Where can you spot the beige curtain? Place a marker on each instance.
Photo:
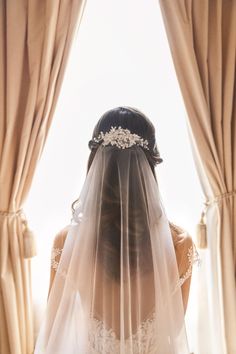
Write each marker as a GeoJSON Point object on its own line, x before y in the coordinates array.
{"type": "Point", "coordinates": [35, 41]}
{"type": "Point", "coordinates": [202, 38]}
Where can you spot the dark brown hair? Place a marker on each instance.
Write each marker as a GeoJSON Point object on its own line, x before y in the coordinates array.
{"type": "Point", "coordinates": [128, 118]}
{"type": "Point", "coordinates": [109, 232]}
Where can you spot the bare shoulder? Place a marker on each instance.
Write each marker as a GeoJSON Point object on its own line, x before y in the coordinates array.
{"type": "Point", "coordinates": [60, 237]}
{"type": "Point", "coordinates": [185, 240]}
{"type": "Point", "coordinates": [181, 238]}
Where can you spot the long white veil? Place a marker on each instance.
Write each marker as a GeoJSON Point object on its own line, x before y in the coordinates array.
{"type": "Point", "coordinates": [118, 270]}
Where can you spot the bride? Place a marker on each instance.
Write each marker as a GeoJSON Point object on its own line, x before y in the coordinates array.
{"type": "Point", "coordinates": [121, 272]}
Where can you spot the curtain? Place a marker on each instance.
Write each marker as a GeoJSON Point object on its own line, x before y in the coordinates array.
{"type": "Point", "coordinates": [35, 40]}
{"type": "Point", "coordinates": [202, 39]}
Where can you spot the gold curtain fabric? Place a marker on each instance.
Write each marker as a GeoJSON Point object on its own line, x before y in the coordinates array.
{"type": "Point", "coordinates": [202, 38]}
{"type": "Point", "coordinates": [35, 41]}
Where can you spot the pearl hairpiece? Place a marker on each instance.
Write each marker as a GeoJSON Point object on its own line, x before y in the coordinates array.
{"type": "Point", "coordinates": [121, 137]}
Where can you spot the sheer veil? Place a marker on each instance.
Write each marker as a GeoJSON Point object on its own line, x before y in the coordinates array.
{"type": "Point", "coordinates": [118, 269]}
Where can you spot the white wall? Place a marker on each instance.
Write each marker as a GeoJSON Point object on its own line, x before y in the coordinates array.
{"type": "Point", "coordinates": [120, 57]}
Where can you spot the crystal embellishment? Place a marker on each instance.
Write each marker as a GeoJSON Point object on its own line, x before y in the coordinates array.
{"type": "Point", "coordinates": [122, 138]}
{"type": "Point", "coordinates": [193, 258]}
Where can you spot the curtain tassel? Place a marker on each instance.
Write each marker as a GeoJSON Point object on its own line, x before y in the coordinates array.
{"type": "Point", "coordinates": [29, 243]}
{"type": "Point", "coordinates": [201, 226]}
{"type": "Point", "coordinates": [202, 232]}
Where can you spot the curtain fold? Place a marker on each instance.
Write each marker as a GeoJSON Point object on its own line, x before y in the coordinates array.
{"type": "Point", "coordinates": [35, 41]}
{"type": "Point", "coordinates": [202, 39]}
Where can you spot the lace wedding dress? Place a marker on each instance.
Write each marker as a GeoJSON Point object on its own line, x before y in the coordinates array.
{"type": "Point", "coordinates": [118, 262]}
{"type": "Point", "coordinates": [103, 339]}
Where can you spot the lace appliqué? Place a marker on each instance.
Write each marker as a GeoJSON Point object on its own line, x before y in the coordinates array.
{"type": "Point", "coordinates": [193, 258]}
{"type": "Point", "coordinates": [55, 252]}
{"type": "Point", "coordinates": [54, 263]}
{"type": "Point", "coordinates": [103, 340]}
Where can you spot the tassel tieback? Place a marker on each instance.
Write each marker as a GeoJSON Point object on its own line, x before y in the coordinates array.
{"type": "Point", "coordinates": [29, 243]}
{"type": "Point", "coordinates": [201, 226]}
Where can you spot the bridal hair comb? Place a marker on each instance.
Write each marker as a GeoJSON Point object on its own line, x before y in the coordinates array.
{"type": "Point", "coordinates": [121, 137]}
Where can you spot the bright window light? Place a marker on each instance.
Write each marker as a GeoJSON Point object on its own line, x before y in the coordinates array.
{"type": "Point", "coordinates": [120, 56]}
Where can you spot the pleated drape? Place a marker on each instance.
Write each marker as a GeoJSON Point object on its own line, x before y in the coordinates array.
{"type": "Point", "coordinates": [35, 40]}
{"type": "Point", "coordinates": [202, 38]}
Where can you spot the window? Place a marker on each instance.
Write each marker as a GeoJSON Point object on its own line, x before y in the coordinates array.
{"type": "Point", "coordinates": [120, 56]}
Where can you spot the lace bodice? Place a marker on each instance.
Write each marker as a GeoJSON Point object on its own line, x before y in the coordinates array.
{"type": "Point", "coordinates": [144, 340]}
{"type": "Point", "coordinates": [103, 340]}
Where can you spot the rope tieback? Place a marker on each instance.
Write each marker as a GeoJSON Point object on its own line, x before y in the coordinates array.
{"type": "Point", "coordinates": [201, 226]}
{"type": "Point", "coordinates": [29, 244]}
{"type": "Point", "coordinates": [10, 213]}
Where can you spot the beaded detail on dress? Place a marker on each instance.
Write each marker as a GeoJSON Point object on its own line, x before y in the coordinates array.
{"type": "Point", "coordinates": [103, 340]}
{"type": "Point", "coordinates": [193, 257]}
{"type": "Point", "coordinates": [145, 339]}
{"type": "Point", "coordinates": [55, 252]}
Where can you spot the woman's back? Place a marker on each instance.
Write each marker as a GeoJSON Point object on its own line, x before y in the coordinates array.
{"type": "Point", "coordinates": [118, 270]}
{"type": "Point", "coordinates": [106, 334]}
